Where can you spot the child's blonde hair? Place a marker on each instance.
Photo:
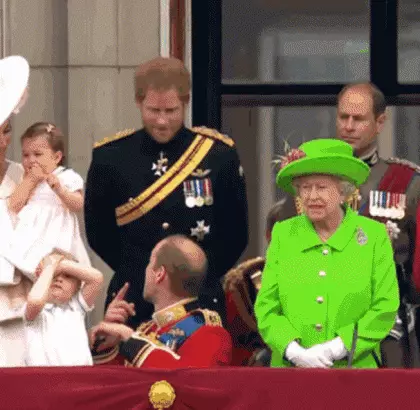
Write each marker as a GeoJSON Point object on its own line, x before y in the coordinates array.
{"type": "Point", "coordinates": [64, 255]}
{"type": "Point", "coordinates": [60, 252]}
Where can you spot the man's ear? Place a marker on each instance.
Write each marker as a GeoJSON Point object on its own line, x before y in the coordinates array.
{"type": "Point", "coordinates": [380, 122]}
{"type": "Point", "coordinates": [160, 274]}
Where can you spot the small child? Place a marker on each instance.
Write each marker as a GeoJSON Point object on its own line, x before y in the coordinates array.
{"type": "Point", "coordinates": [54, 314]}
{"type": "Point", "coordinates": [44, 205]}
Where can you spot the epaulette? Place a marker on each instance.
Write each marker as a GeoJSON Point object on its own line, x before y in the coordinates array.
{"type": "Point", "coordinates": [405, 162]}
{"type": "Point", "coordinates": [212, 133]}
{"type": "Point", "coordinates": [211, 318]}
{"type": "Point", "coordinates": [235, 275]}
{"type": "Point", "coordinates": [115, 137]}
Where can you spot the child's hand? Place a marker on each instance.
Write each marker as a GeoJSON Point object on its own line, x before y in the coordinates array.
{"type": "Point", "coordinates": [39, 269]}
{"type": "Point", "coordinates": [36, 174]}
{"type": "Point", "coordinates": [53, 182]}
{"type": "Point", "coordinates": [114, 332]}
{"type": "Point", "coordinates": [52, 260]}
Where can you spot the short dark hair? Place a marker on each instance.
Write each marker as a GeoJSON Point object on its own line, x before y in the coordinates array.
{"type": "Point", "coordinates": [378, 97]}
{"type": "Point", "coordinates": [67, 255]}
{"type": "Point", "coordinates": [185, 262]}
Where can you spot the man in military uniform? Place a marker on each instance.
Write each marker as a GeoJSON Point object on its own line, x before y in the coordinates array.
{"type": "Point", "coordinates": [390, 195]}
{"type": "Point", "coordinates": [241, 285]}
{"type": "Point", "coordinates": [161, 180]}
{"type": "Point", "coordinates": [180, 334]}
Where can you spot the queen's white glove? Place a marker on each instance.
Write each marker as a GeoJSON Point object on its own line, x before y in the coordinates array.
{"type": "Point", "coordinates": [311, 358]}
{"type": "Point", "coordinates": [332, 350]}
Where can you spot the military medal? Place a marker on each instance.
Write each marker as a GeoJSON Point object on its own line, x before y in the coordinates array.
{"type": "Point", "coordinates": [381, 204]}
{"type": "Point", "coordinates": [200, 231]}
{"type": "Point", "coordinates": [161, 165]}
{"type": "Point", "coordinates": [208, 196]}
{"type": "Point", "coordinates": [387, 211]}
{"type": "Point", "coordinates": [392, 229]}
{"type": "Point", "coordinates": [393, 211]}
{"type": "Point", "coordinates": [401, 203]}
{"type": "Point", "coordinates": [189, 195]}
{"type": "Point", "coordinates": [385, 204]}
{"type": "Point", "coordinates": [398, 211]}
{"type": "Point", "coordinates": [199, 199]}
{"type": "Point", "coordinates": [373, 203]}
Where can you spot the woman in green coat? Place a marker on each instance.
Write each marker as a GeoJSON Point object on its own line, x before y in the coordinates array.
{"type": "Point", "coordinates": [329, 292]}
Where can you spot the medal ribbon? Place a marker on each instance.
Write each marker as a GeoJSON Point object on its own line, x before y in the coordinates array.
{"type": "Point", "coordinates": [397, 178]}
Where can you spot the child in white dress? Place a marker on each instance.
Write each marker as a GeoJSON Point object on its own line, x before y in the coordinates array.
{"type": "Point", "coordinates": [54, 315]}
{"type": "Point", "coordinates": [45, 203]}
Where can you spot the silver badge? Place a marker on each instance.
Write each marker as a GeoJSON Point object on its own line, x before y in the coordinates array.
{"type": "Point", "coordinates": [189, 195]}
{"type": "Point", "coordinates": [361, 237]}
{"type": "Point", "coordinates": [161, 166]}
{"type": "Point", "coordinates": [200, 231]}
{"type": "Point", "coordinates": [190, 202]}
{"type": "Point", "coordinates": [392, 229]}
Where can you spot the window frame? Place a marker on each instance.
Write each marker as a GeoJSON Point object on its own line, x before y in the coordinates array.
{"type": "Point", "coordinates": [210, 93]}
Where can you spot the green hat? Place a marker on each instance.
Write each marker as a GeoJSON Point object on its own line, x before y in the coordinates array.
{"type": "Point", "coordinates": [321, 156]}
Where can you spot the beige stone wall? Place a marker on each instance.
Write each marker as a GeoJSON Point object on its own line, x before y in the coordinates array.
{"type": "Point", "coordinates": [83, 54]}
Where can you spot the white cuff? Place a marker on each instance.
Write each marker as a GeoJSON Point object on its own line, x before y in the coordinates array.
{"type": "Point", "coordinates": [293, 349]}
{"type": "Point", "coordinates": [338, 348]}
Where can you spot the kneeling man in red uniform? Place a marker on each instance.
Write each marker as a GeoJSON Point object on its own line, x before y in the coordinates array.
{"type": "Point", "coordinates": [180, 334]}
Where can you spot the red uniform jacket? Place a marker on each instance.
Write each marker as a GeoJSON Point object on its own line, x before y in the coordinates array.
{"type": "Point", "coordinates": [175, 338]}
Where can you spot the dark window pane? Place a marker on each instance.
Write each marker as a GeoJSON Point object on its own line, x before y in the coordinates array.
{"type": "Point", "coordinates": [409, 41]}
{"type": "Point", "coordinates": [295, 41]}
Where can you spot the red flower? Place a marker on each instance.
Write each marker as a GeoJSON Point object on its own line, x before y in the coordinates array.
{"type": "Point", "coordinates": [292, 155]}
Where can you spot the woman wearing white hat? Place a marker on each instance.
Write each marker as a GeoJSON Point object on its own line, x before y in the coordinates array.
{"type": "Point", "coordinates": [14, 75]}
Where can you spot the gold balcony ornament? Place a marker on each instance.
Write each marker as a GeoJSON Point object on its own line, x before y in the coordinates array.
{"type": "Point", "coordinates": [162, 395]}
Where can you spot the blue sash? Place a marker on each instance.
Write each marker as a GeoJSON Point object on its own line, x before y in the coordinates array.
{"type": "Point", "coordinates": [178, 334]}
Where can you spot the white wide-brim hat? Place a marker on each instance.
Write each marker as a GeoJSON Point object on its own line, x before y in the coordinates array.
{"type": "Point", "coordinates": [14, 76]}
